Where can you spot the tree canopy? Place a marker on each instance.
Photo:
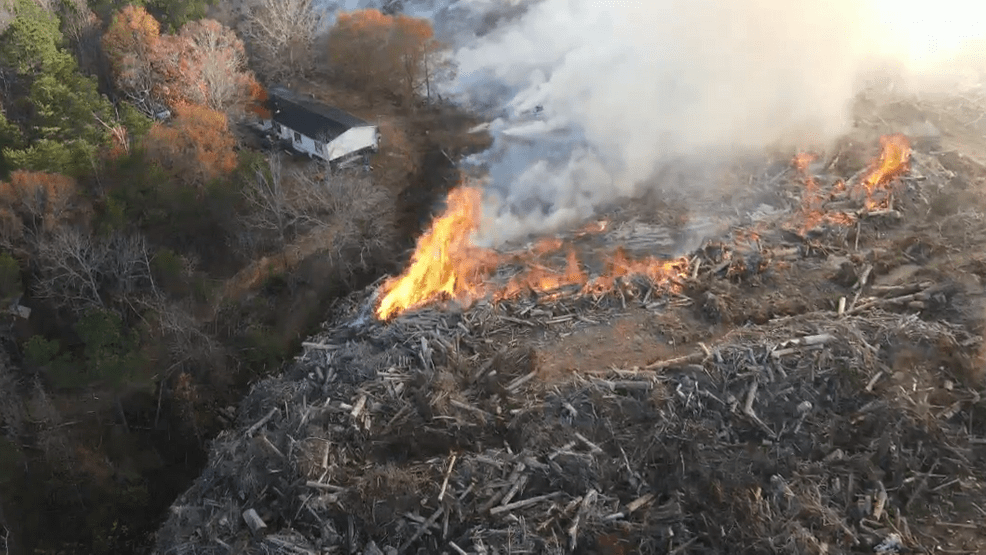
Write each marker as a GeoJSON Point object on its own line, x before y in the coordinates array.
{"type": "Point", "coordinates": [197, 147]}
{"type": "Point", "coordinates": [61, 120]}
{"type": "Point", "coordinates": [171, 13]}
{"type": "Point", "coordinates": [396, 55]}
{"type": "Point", "coordinates": [32, 203]}
{"type": "Point", "coordinates": [204, 63]}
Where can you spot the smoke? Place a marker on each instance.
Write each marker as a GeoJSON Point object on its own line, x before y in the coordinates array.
{"type": "Point", "coordinates": [589, 97]}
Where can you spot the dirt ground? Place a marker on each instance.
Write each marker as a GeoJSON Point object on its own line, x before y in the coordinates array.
{"type": "Point", "coordinates": [800, 390]}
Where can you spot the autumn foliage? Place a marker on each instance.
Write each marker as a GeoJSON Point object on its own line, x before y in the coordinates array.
{"type": "Point", "coordinates": [35, 202]}
{"type": "Point", "coordinates": [197, 146]}
{"type": "Point", "coordinates": [258, 98]}
{"type": "Point", "coordinates": [383, 53]}
{"type": "Point", "coordinates": [216, 61]}
{"type": "Point", "coordinates": [204, 63]}
{"type": "Point", "coordinates": [130, 44]}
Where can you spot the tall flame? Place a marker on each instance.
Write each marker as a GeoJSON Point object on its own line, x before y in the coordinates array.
{"type": "Point", "coordinates": [447, 266]}
{"type": "Point", "coordinates": [894, 161]}
{"type": "Point", "coordinates": [445, 263]}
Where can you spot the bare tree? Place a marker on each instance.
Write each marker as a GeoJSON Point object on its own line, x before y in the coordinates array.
{"type": "Point", "coordinates": [186, 339]}
{"type": "Point", "coordinates": [365, 213]}
{"type": "Point", "coordinates": [79, 272]}
{"type": "Point", "coordinates": [287, 204]}
{"type": "Point", "coordinates": [267, 196]}
{"type": "Point", "coordinates": [221, 60]}
{"type": "Point", "coordinates": [281, 34]}
{"type": "Point", "coordinates": [359, 214]}
{"type": "Point", "coordinates": [438, 66]}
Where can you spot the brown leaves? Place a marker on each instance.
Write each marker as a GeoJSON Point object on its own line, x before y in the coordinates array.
{"type": "Point", "coordinates": [35, 202]}
{"type": "Point", "coordinates": [131, 43]}
{"type": "Point", "coordinates": [258, 96]}
{"type": "Point", "coordinates": [382, 53]}
{"type": "Point", "coordinates": [198, 145]}
{"type": "Point", "coordinates": [216, 65]}
{"type": "Point", "coordinates": [205, 63]}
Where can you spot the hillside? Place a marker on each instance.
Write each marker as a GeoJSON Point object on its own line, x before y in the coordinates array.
{"type": "Point", "coordinates": [808, 379]}
{"type": "Point", "coordinates": [157, 257]}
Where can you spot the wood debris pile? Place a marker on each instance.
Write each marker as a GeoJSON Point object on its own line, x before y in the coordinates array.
{"type": "Point", "coordinates": [848, 422]}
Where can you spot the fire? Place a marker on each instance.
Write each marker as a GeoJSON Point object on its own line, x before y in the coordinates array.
{"type": "Point", "coordinates": [445, 263]}
{"type": "Point", "coordinates": [619, 265]}
{"type": "Point", "coordinates": [447, 266]}
{"type": "Point", "coordinates": [812, 211]}
{"type": "Point", "coordinates": [802, 160]}
{"type": "Point", "coordinates": [592, 228]}
{"type": "Point", "coordinates": [540, 278]}
{"type": "Point", "coordinates": [547, 246]}
{"type": "Point", "coordinates": [894, 161]}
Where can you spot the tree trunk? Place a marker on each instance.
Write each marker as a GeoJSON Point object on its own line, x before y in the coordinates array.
{"type": "Point", "coordinates": [427, 69]}
{"type": "Point", "coordinates": [11, 542]}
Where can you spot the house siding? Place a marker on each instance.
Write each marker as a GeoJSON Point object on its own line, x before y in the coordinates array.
{"type": "Point", "coordinates": [353, 140]}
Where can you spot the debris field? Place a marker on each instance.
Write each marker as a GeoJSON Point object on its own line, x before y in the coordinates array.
{"type": "Point", "coordinates": [808, 381]}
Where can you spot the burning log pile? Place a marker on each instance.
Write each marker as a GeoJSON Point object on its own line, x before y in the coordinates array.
{"type": "Point", "coordinates": [739, 414]}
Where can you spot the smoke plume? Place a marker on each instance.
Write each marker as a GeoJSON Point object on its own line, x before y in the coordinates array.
{"type": "Point", "coordinates": [588, 98]}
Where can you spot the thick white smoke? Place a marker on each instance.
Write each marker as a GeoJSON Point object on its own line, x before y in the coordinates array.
{"type": "Point", "coordinates": [588, 97]}
{"type": "Point", "coordinates": [626, 85]}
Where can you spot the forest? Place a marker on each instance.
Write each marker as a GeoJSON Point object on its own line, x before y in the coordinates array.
{"type": "Point", "coordinates": [155, 259]}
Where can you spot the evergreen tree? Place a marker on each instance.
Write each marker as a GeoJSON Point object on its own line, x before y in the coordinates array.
{"type": "Point", "coordinates": [65, 119]}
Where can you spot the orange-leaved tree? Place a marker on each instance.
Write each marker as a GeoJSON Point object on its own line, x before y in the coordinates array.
{"type": "Point", "coordinates": [35, 203]}
{"type": "Point", "coordinates": [383, 53]}
{"type": "Point", "coordinates": [172, 70]}
{"type": "Point", "coordinates": [205, 63]}
{"type": "Point", "coordinates": [413, 44]}
{"type": "Point", "coordinates": [257, 102]}
{"type": "Point", "coordinates": [131, 44]}
{"type": "Point", "coordinates": [217, 62]}
{"type": "Point", "coordinates": [197, 146]}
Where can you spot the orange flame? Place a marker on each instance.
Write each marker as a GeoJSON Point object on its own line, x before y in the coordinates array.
{"type": "Point", "coordinates": [445, 263]}
{"type": "Point", "coordinates": [812, 213]}
{"type": "Point", "coordinates": [658, 271]}
{"type": "Point", "coordinates": [894, 161]}
{"type": "Point", "coordinates": [447, 266]}
{"type": "Point", "coordinates": [539, 278]}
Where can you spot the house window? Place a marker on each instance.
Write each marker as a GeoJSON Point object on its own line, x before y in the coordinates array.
{"type": "Point", "coordinates": [320, 146]}
{"type": "Point", "coordinates": [297, 137]}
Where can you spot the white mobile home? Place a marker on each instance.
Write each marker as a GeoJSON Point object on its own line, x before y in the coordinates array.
{"type": "Point", "coordinates": [318, 130]}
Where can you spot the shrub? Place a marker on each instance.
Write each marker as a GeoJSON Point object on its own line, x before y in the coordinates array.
{"type": "Point", "coordinates": [11, 286]}
{"type": "Point", "coordinates": [40, 351]}
{"type": "Point", "coordinates": [63, 371]}
{"type": "Point", "coordinates": [111, 351]}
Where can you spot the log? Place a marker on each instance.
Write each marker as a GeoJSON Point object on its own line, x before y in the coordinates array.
{"type": "Point", "coordinates": [254, 522]}
{"type": "Point", "coordinates": [250, 431]}
{"type": "Point", "coordinates": [687, 359]}
{"type": "Point", "coordinates": [524, 503]}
